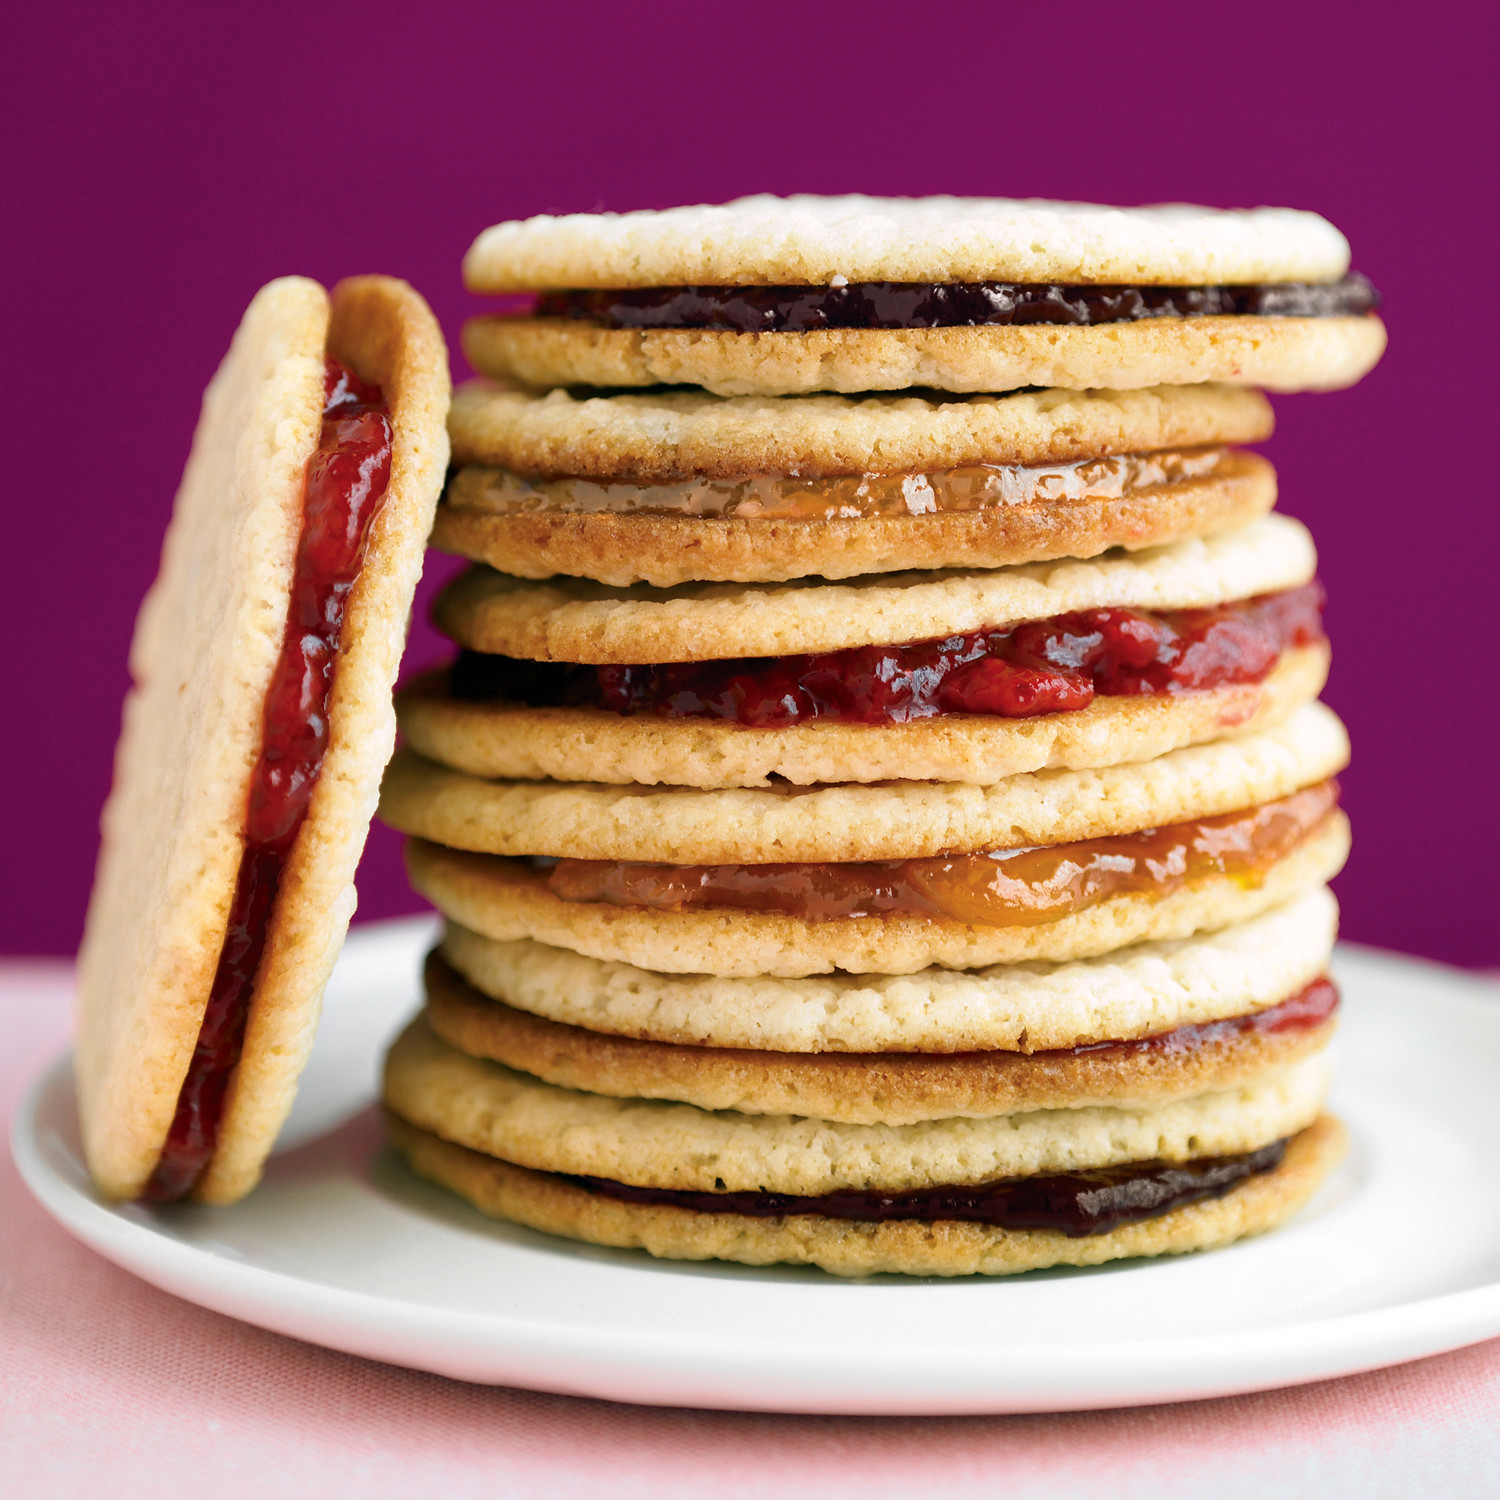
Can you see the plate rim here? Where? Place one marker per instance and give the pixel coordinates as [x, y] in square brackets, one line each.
[634, 1366]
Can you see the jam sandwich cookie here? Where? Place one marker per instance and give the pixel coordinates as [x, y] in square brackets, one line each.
[671, 487]
[1127, 994]
[897, 916]
[885, 1088]
[1078, 1219]
[255, 733]
[962, 676]
[769, 296]
[665, 1144]
[782, 824]
[449, 717]
[1030, 1169]
[885, 879]
[575, 620]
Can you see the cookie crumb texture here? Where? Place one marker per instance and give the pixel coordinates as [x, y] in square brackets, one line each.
[1121, 993]
[1273, 354]
[570, 619]
[664, 437]
[665, 550]
[808, 240]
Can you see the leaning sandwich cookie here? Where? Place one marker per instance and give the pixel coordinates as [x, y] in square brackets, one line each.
[255, 733]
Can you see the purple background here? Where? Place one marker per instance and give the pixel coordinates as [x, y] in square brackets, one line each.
[162, 166]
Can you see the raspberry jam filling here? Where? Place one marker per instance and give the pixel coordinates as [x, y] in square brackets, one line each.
[1311, 1007]
[968, 304]
[1077, 1203]
[1002, 888]
[1040, 667]
[788, 498]
[343, 490]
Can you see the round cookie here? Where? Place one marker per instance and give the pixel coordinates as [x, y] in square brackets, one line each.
[1282, 354]
[505, 900]
[897, 1088]
[658, 1143]
[206, 646]
[495, 739]
[1026, 1007]
[667, 550]
[810, 240]
[895, 820]
[575, 620]
[666, 437]
[943, 1248]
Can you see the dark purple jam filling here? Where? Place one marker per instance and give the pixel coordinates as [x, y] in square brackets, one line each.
[968, 304]
[1077, 1203]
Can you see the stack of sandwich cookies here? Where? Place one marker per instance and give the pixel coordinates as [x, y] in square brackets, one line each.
[885, 832]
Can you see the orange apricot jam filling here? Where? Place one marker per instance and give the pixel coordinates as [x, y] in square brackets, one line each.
[998, 888]
[969, 487]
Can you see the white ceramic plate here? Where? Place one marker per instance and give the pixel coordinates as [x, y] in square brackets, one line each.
[1398, 1257]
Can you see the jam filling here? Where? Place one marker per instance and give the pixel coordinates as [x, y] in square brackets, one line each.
[343, 490]
[967, 304]
[1048, 666]
[1308, 1009]
[1002, 888]
[1077, 1203]
[970, 487]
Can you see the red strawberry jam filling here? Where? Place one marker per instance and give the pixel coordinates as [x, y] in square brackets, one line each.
[967, 304]
[1048, 666]
[342, 493]
[781, 497]
[1311, 1007]
[999, 888]
[1076, 1203]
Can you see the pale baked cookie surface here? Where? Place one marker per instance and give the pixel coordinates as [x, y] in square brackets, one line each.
[659, 1143]
[811, 240]
[893, 820]
[505, 740]
[676, 436]
[671, 436]
[942, 1248]
[666, 550]
[898, 1088]
[504, 900]
[580, 621]
[1274, 354]
[1028, 1007]
[205, 647]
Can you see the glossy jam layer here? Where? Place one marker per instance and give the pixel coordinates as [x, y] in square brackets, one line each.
[1041, 667]
[898, 304]
[1308, 1009]
[1004, 888]
[779, 497]
[345, 484]
[1077, 1203]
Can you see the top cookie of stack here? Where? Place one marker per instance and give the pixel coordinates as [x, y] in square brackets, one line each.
[1146, 327]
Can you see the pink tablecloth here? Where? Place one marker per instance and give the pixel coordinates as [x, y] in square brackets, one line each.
[111, 1388]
